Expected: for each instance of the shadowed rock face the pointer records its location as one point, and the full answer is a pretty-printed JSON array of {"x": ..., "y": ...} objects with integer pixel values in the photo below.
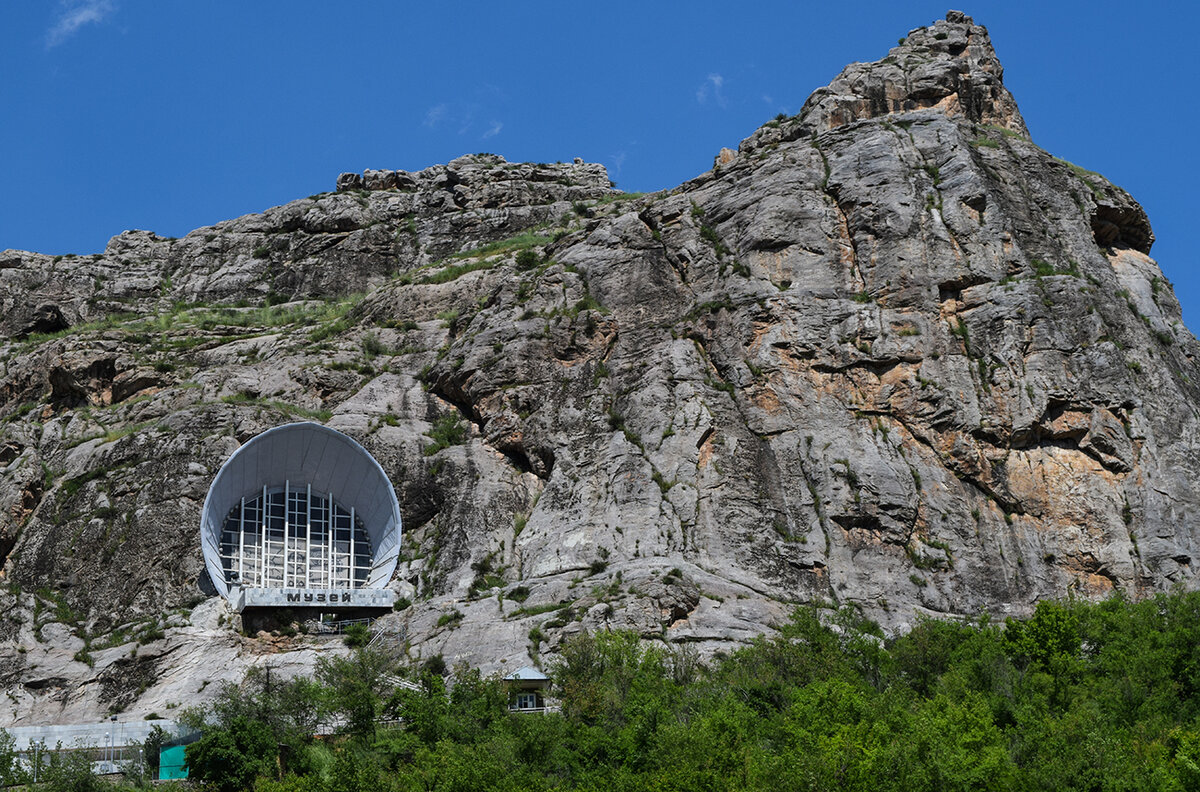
[{"x": 888, "y": 353}]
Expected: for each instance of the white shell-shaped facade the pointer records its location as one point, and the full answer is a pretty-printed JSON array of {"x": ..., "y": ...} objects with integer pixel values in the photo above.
[{"x": 300, "y": 506}]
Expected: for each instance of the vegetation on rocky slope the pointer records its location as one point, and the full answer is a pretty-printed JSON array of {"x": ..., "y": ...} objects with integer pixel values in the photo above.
[{"x": 1079, "y": 697}]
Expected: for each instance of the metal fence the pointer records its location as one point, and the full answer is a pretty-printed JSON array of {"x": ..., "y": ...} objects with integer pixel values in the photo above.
[
  {"x": 88, "y": 735},
  {"x": 127, "y": 760},
  {"x": 319, "y": 627}
]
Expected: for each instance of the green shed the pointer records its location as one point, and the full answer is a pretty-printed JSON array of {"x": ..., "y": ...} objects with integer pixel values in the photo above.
[{"x": 170, "y": 763}]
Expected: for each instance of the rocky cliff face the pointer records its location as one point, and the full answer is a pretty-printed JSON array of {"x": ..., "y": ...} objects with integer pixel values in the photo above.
[{"x": 888, "y": 353}]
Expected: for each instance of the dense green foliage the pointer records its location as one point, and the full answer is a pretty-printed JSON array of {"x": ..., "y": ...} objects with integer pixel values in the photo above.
[
  {"x": 231, "y": 758},
  {"x": 1079, "y": 697}
]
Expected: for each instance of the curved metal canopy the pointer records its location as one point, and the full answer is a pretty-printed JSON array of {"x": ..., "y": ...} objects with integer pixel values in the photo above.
[{"x": 306, "y": 454}]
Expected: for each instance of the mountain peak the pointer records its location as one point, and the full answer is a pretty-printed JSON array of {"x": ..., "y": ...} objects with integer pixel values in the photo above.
[{"x": 949, "y": 65}]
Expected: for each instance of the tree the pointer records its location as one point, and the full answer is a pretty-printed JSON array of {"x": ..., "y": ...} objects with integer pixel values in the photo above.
[
  {"x": 152, "y": 748},
  {"x": 425, "y": 712},
  {"x": 230, "y": 758},
  {"x": 69, "y": 771},
  {"x": 921, "y": 656},
  {"x": 1047, "y": 639},
  {"x": 1186, "y": 747},
  {"x": 290, "y": 708},
  {"x": 1048, "y": 643},
  {"x": 596, "y": 673},
  {"x": 763, "y": 674},
  {"x": 356, "y": 686},
  {"x": 956, "y": 745},
  {"x": 357, "y": 635},
  {"x": 11, "y": 773}
]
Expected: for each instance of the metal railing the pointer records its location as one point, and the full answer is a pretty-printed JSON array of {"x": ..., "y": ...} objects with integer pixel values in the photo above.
[
  {"x": 318, "y": 627},
  {"x": 545, "y": 708}
]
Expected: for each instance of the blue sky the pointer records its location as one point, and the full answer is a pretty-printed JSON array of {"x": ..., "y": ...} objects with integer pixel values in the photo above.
[{"x": 169, "y": 115}]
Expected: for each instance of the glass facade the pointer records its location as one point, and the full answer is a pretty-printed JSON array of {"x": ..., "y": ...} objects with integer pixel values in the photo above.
[{"x": 292, "y": 537}]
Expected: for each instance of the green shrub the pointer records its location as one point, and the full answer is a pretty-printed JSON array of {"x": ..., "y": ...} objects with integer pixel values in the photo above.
[
  {"x": 521, "y": 241},
  {"x": 446, "y": 431},
  {"x": 356, "y": 635},
  {"x": 456, "y": 271},
  {"x": 534, "y": 610},
  {"x": 372, "y": 346},
  {"x": 229, "y": 759},
  {"x": 452, "y": 618},
  {"x": 151, "y": 634},
  {"x": 527, "y": 260}
]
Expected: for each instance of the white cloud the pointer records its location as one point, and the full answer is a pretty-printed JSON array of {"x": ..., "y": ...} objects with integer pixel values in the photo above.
[
  {"x": 465, "y": 120},
  {"x": 75, "y": 14},
  {"x": 435, "y": 115},
  {"x": 711, "y": 87}
]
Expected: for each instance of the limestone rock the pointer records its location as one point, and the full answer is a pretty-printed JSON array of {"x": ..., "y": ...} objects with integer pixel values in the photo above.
[{"x": 890, "y": 354}]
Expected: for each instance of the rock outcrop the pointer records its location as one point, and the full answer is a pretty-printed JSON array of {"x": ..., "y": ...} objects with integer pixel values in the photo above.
[{"x": 889, "y": 354}]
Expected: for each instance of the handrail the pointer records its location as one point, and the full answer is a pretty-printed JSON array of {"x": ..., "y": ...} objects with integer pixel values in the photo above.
[{"x": 536, "y": 710}]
